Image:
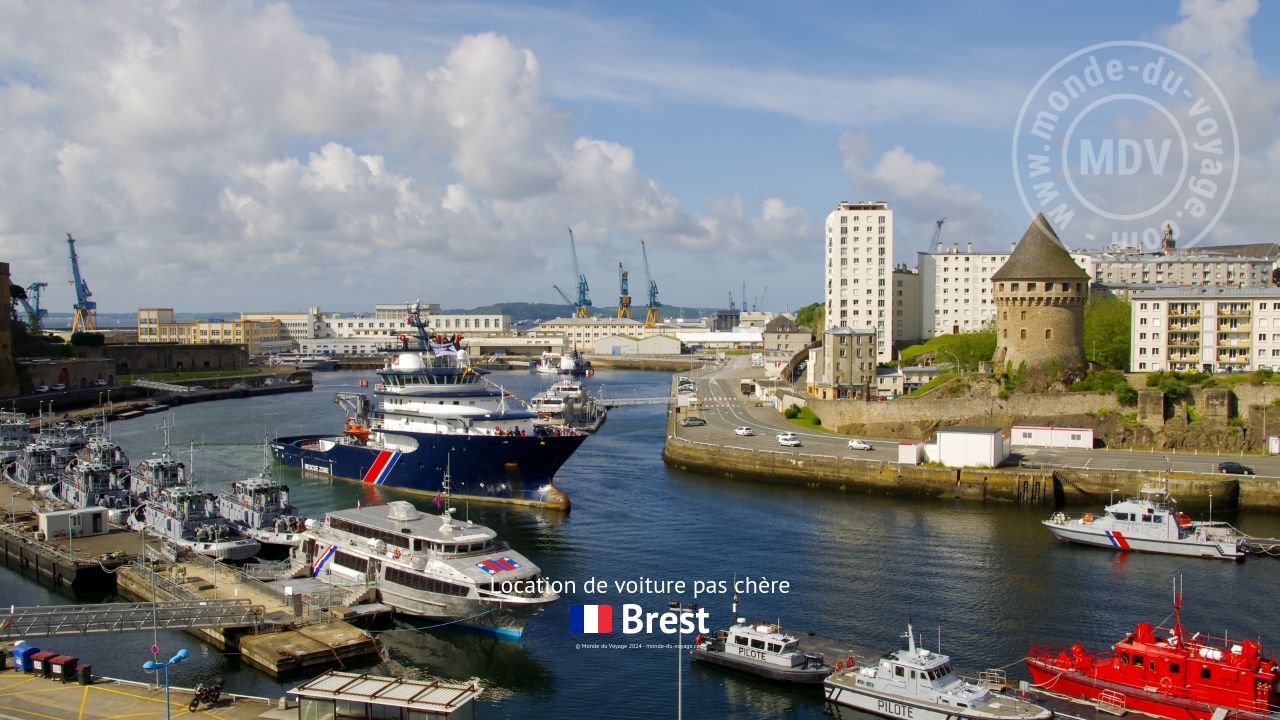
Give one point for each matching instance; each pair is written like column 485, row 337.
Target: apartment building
column 858, row 271
column 1210, row 329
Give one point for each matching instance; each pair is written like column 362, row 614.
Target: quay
column 23, row 697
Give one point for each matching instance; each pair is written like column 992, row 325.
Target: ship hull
column 1077, row 685
column 841, row 692
column 483, row 467
column 1083, row 535
column 801, row 676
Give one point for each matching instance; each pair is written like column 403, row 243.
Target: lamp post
column 956, row 358
column 153, row 665
column 682, row 609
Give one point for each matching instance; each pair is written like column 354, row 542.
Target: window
column 1206, row 673
column 1048, row 334
column 899, row 671
column 1024, row 334
column 1137, row 661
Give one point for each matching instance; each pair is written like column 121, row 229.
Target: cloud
column 919, row 194
column 221, row 156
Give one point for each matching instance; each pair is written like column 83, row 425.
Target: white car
column 856, row 444
column 789, row 441
column 744, row 431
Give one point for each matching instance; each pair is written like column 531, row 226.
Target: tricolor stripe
column 381, row 467
column 1117, row 539
column 591, row 619
column 323, row 558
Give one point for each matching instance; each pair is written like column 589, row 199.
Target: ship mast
column 1177, row 610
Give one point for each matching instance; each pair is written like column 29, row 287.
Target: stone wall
column 72, row 372
column 138, row 359
column 918, row 417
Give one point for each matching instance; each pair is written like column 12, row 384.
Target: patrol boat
column 921, row 685
column 1150, row 522
column 763, row 649
column 260, row 508
column 429, row 566
column 180, row 515
column 429, row 406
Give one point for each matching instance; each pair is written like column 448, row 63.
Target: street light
column 957, row 365
column 682, row 609
column 153, row 665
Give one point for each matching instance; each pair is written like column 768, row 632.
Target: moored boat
column 429, row 566
column 763, row 649
column 1150, row 522
column 1163, row 671
column 917, row 684
column 180, row 515
column 430, row 404
column 260, row 508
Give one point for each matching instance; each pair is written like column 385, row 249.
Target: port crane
column 86, row 317
column 755, row 304
column 31, row 304
column 584, row 300
column 936, row 242
column 624, row 295
column 567, row 301
column 652, row 313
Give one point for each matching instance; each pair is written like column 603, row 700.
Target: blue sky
column 252, row 156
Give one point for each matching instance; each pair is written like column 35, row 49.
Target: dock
column 32, row 696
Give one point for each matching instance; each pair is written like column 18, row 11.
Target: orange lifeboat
column 356, row 430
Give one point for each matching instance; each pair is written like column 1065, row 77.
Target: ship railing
column 993, row 679
column 1112, row 699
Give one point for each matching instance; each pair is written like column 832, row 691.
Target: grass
column 935, row 382
column 808, row 419
column 192, row 375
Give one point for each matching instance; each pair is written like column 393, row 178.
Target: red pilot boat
column 1165, row 672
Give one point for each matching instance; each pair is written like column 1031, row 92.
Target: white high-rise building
column 859, row 271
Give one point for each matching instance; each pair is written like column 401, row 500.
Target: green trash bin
column 86, row 674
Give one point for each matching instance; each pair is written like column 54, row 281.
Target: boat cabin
column 765, row 643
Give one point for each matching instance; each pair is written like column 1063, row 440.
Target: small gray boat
column 763, row 649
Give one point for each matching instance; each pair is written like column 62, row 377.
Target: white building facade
column 1210, row 329
column 859, row 270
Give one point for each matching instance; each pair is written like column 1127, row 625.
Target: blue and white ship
column 428, row 407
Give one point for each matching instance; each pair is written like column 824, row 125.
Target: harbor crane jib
column 584, row 299
column 86, row 310
column 652, row 313
column 624, row 294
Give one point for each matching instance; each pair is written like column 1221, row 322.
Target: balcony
column 1239, row 327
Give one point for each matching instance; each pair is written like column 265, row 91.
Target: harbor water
column 988, row 580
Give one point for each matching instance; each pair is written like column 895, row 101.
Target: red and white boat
column 1165, row 672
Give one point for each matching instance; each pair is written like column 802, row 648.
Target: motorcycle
column 206, row 694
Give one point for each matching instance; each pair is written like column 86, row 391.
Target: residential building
column 783, row 336
column 955, row 287
column 859, row 261
column 845, row 365
column 907, row 306
column 1211, row 329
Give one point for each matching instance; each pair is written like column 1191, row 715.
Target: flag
column 357, row 503
column 591, row 619
column 437, row 499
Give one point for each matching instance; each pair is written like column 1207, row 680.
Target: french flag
column 591, row 619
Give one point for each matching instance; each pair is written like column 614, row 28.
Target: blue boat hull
column 482, row 467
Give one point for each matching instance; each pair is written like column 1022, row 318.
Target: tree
column 88, row 339
column 1106, row 331
column 812, row 316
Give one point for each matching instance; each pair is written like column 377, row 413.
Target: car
column 693, row 422
column 42, row 388
column 1235, row 468
column 744, row 431
column 59, row 387
column 99, row 383
column 789, row 441
column 857, row 444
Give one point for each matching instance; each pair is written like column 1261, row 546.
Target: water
column 858, row 567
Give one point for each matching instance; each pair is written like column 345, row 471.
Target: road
column 724, row 407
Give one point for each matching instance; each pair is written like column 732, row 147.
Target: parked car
column 693, row 422
column 99, row 383
column 788, row 440
column 1235, row 468
column 59, row 387
column 42, row 388
column 856, row 444
column 743, row 431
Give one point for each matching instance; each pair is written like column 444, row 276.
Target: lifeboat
column 1165, row 672
column 356, row 430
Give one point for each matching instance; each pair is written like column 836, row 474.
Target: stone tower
column 1039, row 295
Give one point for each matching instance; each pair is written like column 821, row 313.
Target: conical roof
column 1040, row 256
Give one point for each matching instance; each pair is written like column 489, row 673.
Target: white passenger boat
column 430, row 566
column 1150, row 522
column 916, row 684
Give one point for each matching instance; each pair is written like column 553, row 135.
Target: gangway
column 162, row 386
column 620, row 402
column 49, row 620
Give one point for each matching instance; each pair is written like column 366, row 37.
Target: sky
column 240, row 155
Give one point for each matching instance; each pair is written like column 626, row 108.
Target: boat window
column 757, row 644
column 1174, row 668
column 774, row 647
column 1124, row 658
column 1205, row 673
column 740, row 640
column 899, row 671
column 1158, row 519
column 1152, row 665
column 914, row 676
column 422, row 582
column 1137, row 660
